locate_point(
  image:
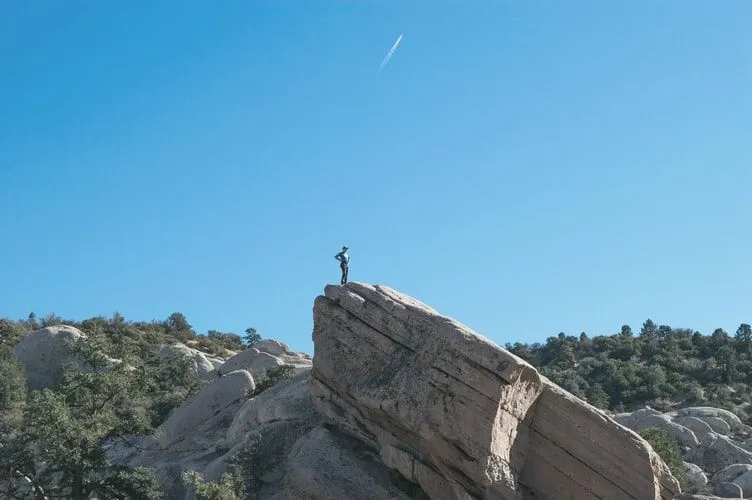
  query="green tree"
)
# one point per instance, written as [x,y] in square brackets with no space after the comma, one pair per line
[229,487]
[68,428]
[648,330]
[12,391]
[58,443]
[51,319]
[726,364]
[667,447]
[719,338]
[252,337]
[179,327]
[31,321]
[744,338]
[11,332]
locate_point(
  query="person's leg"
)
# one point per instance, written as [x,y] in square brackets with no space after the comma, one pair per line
[347,268]
[344,273]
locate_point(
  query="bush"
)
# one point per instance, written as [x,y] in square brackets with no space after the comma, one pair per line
[273,377]
[667,447]
[229,486]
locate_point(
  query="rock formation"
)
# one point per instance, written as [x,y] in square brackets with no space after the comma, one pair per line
[203,364]
[44,352]
[402,403]
[718,460]
[460,416]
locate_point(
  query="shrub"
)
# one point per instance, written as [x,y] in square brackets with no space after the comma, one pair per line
[667,447]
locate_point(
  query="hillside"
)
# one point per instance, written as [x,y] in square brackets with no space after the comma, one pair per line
[658,366]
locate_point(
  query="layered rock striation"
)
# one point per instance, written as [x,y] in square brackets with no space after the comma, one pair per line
[461,417]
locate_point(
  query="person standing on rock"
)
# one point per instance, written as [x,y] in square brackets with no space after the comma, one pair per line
[344,263]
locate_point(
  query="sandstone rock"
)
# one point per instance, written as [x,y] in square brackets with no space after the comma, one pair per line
[728,474]
[718,425]
[727,490]
[745,483]
[640,421]
[200,361]
[268,446]
[288,400]
[44,352]
[721,453]
[696,478]
[701,428]
[734,422]
[460,416]
[254,362]
[324,465]
[204,420]
[275,348]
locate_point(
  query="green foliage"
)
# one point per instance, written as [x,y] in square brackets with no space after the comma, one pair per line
[273,377]
[662,367]
[52,441]
[229,487]
[10,333]
[218,343]
[667,447]
[167,384]
[240,482]
[252,337]
[12,390]
[179,327]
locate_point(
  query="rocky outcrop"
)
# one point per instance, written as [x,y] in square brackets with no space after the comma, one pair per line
[326,464]
[193,426]
[221,422]
[461,417]
[265,356]
[696,478]
[709,414]
[641,420]
[203,364]
[44,352]
[721,458]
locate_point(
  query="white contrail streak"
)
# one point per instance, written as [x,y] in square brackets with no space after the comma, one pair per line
[390,53]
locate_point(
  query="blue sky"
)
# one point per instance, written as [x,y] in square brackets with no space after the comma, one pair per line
[525,167]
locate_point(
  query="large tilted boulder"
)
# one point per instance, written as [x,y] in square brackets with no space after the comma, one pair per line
[460,416]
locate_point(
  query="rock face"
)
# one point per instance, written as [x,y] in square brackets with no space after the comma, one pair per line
[203,364]
[641,420]
[44,352]
[190,425]
[458,415]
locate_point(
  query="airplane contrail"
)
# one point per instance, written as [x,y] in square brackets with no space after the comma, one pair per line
[390,53]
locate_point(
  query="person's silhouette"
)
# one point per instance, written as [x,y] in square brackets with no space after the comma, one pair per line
[344,263]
